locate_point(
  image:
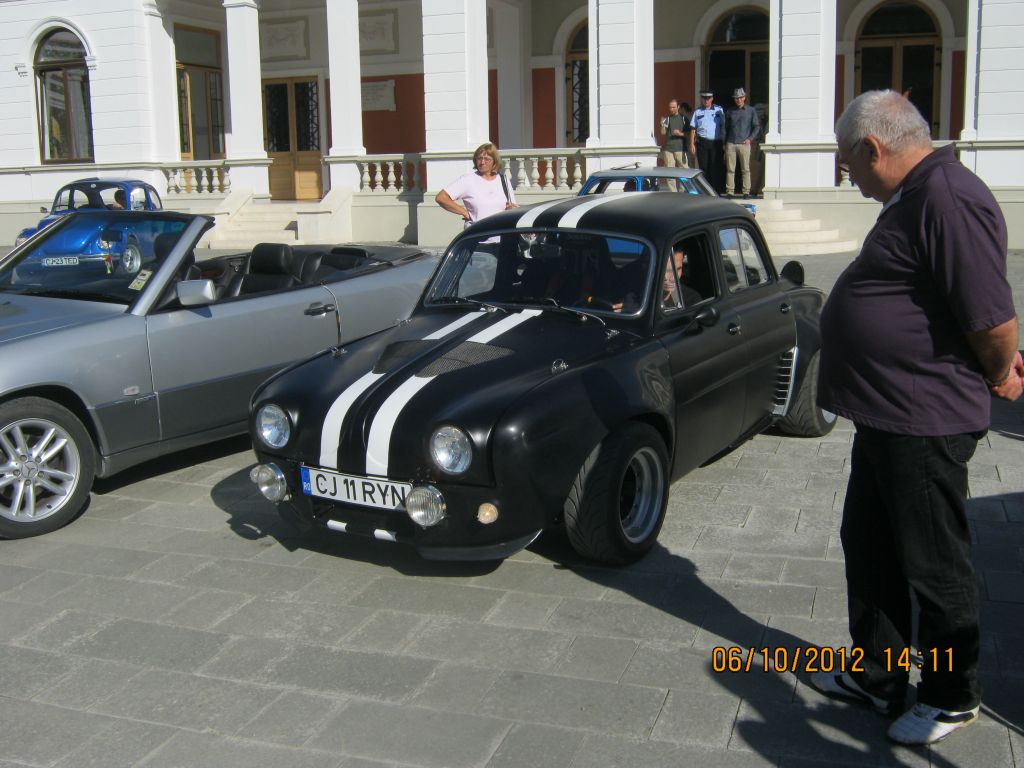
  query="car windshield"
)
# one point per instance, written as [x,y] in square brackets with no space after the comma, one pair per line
[98,256]
[573,269]
[98,195]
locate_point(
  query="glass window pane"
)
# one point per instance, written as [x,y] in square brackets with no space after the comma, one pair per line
[184,119]
[753,264]
[79,112]
[276,98]
[59,47]
[875,68]
[216,113]
[728,241]
[307,117]
[54,115]
[896,19]
[746,26]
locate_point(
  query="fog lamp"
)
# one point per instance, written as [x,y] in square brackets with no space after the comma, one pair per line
[425,505]
[271,481]
[487,513]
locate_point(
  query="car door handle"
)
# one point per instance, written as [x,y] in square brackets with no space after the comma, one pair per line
[784,308]
[318,309]
[735,329]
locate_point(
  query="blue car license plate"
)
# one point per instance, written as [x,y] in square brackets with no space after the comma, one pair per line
[354,489]
[60,261]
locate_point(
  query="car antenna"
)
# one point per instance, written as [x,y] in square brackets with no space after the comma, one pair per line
[635,164]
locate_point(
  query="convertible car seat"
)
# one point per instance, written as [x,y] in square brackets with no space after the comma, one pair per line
[274,267]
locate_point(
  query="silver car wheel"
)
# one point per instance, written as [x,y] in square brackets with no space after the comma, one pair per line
[131,259]
[40,471]
[640,495]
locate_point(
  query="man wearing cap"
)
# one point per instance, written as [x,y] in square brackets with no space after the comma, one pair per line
[708,123]
[741,129]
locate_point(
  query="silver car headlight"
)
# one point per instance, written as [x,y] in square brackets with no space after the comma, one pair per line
[451,450]
[20,239]
[273,426]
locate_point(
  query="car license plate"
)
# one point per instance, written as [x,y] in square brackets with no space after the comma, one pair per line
[354,489]
[60,261]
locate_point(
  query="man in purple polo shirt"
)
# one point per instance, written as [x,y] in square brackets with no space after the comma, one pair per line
[918,334]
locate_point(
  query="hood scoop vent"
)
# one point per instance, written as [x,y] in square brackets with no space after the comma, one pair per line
[466,354]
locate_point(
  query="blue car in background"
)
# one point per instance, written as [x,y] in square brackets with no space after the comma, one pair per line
[113,249]
[688,181]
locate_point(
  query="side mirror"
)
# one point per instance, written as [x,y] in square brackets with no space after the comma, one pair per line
[196,293]
[794,272]
[43,209]
[705,318]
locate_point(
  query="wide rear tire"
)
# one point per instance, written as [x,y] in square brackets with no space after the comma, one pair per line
[47,465]
[616,506]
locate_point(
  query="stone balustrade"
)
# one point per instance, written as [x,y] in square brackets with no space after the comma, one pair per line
[197,177]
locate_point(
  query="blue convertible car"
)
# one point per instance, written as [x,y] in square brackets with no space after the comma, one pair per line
[111,249]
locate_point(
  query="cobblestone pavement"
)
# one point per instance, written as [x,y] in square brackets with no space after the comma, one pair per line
[179,623]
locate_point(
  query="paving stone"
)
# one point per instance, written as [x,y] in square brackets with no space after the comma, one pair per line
[519,609]
[610,752]
[428,597]
[171,568]
[748,567]
[381,731]
[188,701]
[124,744]
[830,603]
[1005,587]
[205,609]
[13,576]
[536,746]
[292,620]
[625,710]
[214,544]
[604,618]
[189,750]
[706,721]
[158,489]
[730,628]
[135,600]
[246,658]
[291,719]
[26,742]
[333,670]
[101,532]
[195,512]
[595,658]
[765,496]
[539,578]
[89,681]
[24,672]
[701,513]
[489,645]
[65,629]
[248,578]
[42,587]
[774,599]
[22,551]
[385,632]
[718,474]
[20,619]
[111,508]
[455,687]
[157,645]
[814,573]
[97,561]
[764,542]
[774,518]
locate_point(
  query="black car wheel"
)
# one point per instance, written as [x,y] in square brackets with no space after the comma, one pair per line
[617,503]
[131,259]
[806,418]
[47,467]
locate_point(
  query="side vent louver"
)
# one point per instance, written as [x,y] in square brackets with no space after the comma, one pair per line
[784,382]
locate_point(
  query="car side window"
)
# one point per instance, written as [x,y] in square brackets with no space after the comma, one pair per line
[63,200]
[137,201]
[732,260]
[689,277]
[753,261]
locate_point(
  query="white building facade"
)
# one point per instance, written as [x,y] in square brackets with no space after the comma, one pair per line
[358,111]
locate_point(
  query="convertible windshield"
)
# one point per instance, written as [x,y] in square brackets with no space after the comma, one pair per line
[101,256]
[559,269]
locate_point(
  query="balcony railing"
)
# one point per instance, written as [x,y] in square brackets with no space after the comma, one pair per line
[197,177]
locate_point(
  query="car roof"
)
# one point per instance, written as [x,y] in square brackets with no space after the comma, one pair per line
[650,215]
[97,180]
[659,172]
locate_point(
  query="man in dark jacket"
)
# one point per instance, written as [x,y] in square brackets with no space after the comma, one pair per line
[742,127]
[918,334]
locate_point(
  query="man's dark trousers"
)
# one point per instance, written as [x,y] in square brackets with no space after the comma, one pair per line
[905,528]
[710,159]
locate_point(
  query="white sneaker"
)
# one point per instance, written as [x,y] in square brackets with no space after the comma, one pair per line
[844,687]
[926,725]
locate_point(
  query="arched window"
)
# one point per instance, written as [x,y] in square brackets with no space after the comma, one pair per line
[577,91]
[65,114]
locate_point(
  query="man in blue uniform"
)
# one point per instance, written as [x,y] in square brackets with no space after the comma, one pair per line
[918,334]
[708,123]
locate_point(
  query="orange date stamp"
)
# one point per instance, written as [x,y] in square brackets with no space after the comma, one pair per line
[807,659]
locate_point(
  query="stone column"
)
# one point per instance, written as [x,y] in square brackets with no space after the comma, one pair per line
[800,143]
[162,86]
[515,86]
[244,138]
[455,102]
[991,143]
[621,79]
[343,64]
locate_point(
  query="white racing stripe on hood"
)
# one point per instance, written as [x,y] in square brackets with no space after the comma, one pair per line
[572,218]
[530,217]
[330,437]
[379,444]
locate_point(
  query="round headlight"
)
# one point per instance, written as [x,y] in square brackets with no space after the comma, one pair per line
[451,450]
[272,426]
[425,505]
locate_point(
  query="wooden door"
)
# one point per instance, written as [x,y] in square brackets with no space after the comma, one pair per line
[291,117]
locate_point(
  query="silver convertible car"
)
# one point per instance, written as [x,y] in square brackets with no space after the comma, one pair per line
[103,369]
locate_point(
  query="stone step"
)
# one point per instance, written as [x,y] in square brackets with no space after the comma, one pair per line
[253,215]
[246,243]
[816,236]
[260,234]
[777,214]
[789,250]
[770,226]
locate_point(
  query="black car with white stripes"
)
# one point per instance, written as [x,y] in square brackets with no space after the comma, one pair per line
[566,363]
